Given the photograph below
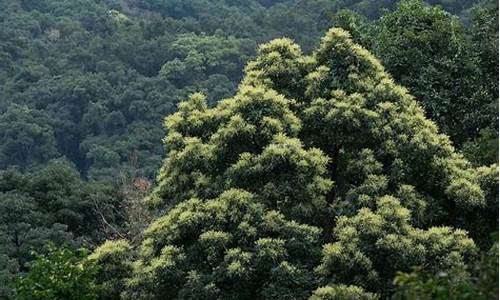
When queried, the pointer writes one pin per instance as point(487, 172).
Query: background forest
point(86, 86)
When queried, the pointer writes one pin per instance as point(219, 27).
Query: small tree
point(59, 274)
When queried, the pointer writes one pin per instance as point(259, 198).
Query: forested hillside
point(91, 81)
point(288, 149)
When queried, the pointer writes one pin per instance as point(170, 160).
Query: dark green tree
point(50, 206)
point(432, 54)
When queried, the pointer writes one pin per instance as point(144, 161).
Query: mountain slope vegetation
point(320, 176)
point(353, 154)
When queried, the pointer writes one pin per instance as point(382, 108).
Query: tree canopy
point(444, 64)
point(361, 165)
point(321, 177)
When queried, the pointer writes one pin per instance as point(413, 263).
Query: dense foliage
point(59, 274)
point(446, 286)
point(91, 80)
point(52, 205)
point(451, 68)
point(319, 174)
